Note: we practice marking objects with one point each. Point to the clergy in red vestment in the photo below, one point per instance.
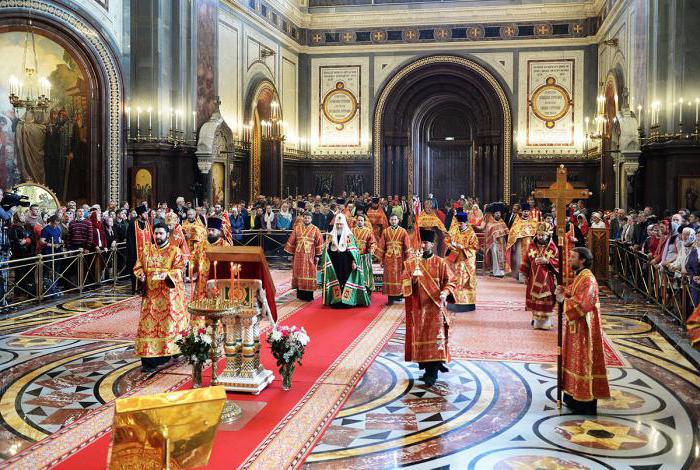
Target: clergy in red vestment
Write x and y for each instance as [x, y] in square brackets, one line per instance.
[426, 287]
[138, 236]
[534, 213]
[463, 244]
[585, 374]
[366, 243]
[163, 313]
[177, 235]
[540, 266]
[200, 264]
[194, 230]
[495, 240]
[377, 218]
[520, 235]
[305, 243]
[392, 250]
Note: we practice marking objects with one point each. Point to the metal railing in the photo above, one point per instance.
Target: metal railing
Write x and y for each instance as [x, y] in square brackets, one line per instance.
[670, 290]
[271, 241]
[37, 278]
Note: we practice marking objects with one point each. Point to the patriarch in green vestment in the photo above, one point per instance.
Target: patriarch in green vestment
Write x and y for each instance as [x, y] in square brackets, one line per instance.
[340, 268]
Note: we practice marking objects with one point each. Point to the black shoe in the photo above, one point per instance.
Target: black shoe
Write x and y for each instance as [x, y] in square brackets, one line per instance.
[443, 368]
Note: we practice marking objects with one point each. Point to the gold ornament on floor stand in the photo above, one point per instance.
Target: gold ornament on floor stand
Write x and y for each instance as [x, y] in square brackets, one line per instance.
[214, 309]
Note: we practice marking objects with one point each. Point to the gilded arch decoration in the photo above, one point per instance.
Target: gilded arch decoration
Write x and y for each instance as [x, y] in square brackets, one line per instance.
[105, 61]
[467, 64]
[262, 87]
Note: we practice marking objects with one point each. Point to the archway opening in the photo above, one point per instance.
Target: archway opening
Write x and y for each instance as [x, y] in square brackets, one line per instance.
[443, 125]
[56, 146]
[265, 152]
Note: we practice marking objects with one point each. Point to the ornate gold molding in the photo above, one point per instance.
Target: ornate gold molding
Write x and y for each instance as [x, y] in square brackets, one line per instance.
[469, 65]
[255, 148]
[105, 60]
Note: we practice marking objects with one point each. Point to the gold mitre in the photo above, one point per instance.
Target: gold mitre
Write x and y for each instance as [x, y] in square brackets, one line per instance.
[543, 228]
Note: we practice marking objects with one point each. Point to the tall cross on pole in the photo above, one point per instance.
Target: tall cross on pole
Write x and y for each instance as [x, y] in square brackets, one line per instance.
[560, 193]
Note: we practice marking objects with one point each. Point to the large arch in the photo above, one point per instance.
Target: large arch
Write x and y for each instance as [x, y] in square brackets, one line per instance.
[79, 32]
[403, 146]
[265, 156]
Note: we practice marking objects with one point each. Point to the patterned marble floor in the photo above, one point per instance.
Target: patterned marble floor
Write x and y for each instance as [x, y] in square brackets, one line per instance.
[481, 415]
[502, 415]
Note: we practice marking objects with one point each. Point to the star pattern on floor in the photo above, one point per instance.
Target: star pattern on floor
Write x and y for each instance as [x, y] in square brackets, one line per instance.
[599, 433]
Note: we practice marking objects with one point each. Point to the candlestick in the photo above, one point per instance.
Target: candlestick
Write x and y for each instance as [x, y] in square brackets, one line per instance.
[128, 120]
[138, 121]
[194, 122]
[215, 262]
[697, 101]
[680, 111]
[150, 116]
[230, 286]
[639, 115]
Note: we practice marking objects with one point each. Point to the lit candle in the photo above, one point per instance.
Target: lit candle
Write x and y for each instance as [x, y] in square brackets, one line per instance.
[215, 262]
[680, 111]
[177, 116]
[150, 111]
[194, 121]
[588, 121]
[171, 120]
[138, 118]
[230, 283]
[190, 267]
[128, 118]
[639, 115]
[697, 101]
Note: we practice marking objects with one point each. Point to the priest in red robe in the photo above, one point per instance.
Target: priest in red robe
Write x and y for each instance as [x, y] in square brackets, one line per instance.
[427, 287]
[392, 250]
[305, 243]
[583, 357]
[163, 313]
[540, 266]
[377, 219]
[199, 262]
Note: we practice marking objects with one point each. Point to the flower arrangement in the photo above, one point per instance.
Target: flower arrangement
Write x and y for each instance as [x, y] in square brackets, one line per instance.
[195, 346]
[288, 344]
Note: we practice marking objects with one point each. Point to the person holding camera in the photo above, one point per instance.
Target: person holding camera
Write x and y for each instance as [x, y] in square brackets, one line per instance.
[6, 212]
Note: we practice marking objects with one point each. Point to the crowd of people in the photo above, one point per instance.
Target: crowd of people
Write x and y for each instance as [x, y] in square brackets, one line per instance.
[668, 239]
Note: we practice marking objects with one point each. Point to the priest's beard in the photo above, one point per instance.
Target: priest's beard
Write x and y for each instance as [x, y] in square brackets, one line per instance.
[162, 243]
[213, 238]
[427, 252]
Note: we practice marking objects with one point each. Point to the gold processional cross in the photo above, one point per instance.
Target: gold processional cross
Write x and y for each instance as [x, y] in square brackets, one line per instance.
[560, 193]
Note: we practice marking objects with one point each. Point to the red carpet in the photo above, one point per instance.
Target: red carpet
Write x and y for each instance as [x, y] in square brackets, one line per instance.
[500, 328]
[343, 344]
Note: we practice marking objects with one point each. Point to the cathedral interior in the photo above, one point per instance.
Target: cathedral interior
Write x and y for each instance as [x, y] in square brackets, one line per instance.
[230, 102]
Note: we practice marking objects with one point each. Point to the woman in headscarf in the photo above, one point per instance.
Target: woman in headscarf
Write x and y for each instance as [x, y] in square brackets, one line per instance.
[476, 217]
[685, 243]
[341, 279]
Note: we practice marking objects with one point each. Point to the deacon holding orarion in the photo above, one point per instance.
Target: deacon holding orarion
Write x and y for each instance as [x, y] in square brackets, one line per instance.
[305, 243]
[340, 268]
[392, 250]
[199, 262]
[426, 288]
[163, 312]
[520, 235]
[366, 243]
[540, 266]
[583, 358]
[463, 244]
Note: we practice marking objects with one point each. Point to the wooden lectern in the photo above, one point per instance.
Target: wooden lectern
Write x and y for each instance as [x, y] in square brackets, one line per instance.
[253, 266]
[243, 371]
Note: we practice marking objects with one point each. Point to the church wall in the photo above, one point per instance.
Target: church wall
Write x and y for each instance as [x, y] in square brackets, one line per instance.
[507, 64]
[243, 61]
